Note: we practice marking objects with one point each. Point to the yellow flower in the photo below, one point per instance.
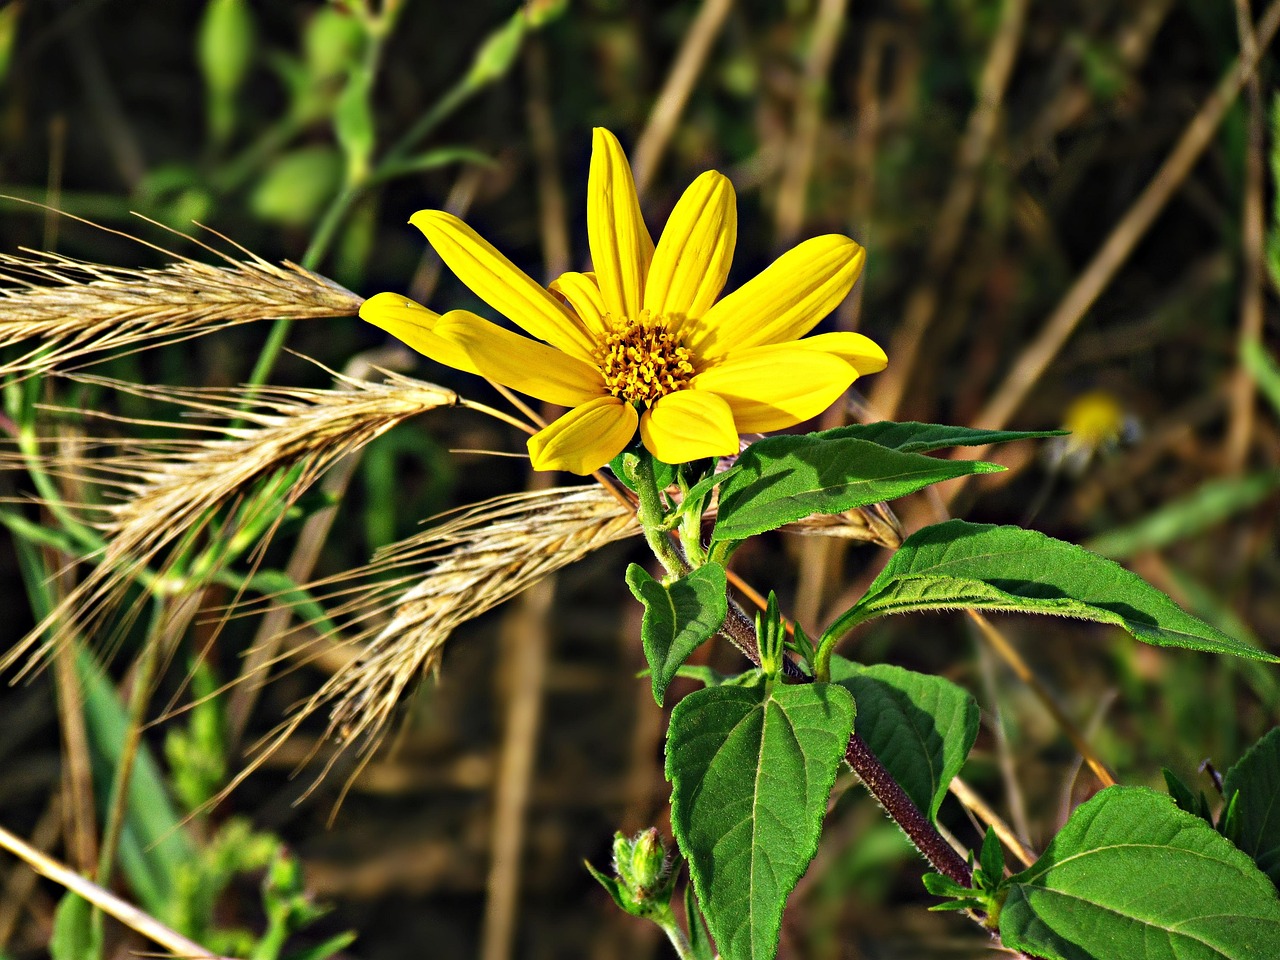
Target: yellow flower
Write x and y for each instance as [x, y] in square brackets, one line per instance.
[644, 341]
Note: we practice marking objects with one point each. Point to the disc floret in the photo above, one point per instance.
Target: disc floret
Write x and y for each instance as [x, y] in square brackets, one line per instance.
[642, 360]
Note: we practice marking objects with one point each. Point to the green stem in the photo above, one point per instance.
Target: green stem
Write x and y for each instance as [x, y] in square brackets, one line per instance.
[652, 516]
[827, 645]
[677, 936]
[118, 804]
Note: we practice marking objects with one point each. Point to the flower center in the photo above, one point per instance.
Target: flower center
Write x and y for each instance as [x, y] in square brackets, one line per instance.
[641, 360]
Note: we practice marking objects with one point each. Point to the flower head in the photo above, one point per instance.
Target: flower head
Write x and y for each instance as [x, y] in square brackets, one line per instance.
[646, 340]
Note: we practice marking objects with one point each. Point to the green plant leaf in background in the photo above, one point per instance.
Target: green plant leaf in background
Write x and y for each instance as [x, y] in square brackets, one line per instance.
[913, 437]
[1261, 365]
[297, 186]
[224, 49]
[1252, 790]
[751, 769]
[960, 564]
[785, 479]
[921, 727]
[75, 936]
[1208, 505]
[678, 617]
[1131, 876]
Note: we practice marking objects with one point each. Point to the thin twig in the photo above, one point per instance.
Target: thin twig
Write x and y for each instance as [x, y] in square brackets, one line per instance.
[104, 900]
[966, 795]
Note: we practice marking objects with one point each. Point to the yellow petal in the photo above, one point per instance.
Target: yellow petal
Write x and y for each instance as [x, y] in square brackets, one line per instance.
[501, 284]
[583, 294]
[585, 438]
[772, 387]
[517, 362]
[861, 353]
[694, 252]
[414, 325]
[620, 244]
[689, 425]
[782, 303]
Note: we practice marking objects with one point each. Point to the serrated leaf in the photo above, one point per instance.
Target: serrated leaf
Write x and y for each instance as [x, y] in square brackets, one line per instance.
[678, 617]
[920, 726]
[785, 479]
[913, 437]
[751, 769]
[1132, 876]
[959, 564]
[1254, 786]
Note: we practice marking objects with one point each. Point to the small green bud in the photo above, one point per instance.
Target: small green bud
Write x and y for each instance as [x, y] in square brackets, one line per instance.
[643, 866]
[498, 52]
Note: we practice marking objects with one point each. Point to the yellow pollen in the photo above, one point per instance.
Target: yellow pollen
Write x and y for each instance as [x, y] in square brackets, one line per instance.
[641, 360]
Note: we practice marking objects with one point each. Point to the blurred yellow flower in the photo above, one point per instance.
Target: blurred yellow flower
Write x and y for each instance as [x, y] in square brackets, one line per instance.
[644, 341]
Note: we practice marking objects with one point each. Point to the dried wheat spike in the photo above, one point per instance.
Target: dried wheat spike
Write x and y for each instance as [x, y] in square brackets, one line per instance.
[481, 557]
[171, 490]
[68, 309]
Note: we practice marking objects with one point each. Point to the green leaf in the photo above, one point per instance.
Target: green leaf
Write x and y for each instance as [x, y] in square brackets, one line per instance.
[1182, 795]
[1254, 785]
[699, 938]
[920, 726]
[623, 467]
[1207, 506]
[912, 437]
[678, 617]
[297, 186]
[785, 479]
[1132, 876]
[959, 564]
[751, 769]
[1261, 365]
[74, 936]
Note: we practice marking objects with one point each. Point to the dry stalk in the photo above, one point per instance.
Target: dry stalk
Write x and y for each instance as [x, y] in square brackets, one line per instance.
[64, 310]
[170, 491]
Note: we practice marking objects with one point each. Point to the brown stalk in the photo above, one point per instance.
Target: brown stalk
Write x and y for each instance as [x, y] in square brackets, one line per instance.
[674, 94]
[890, 386]
[798, 162]
[526, 635]
[979, 807]
[1240, 429]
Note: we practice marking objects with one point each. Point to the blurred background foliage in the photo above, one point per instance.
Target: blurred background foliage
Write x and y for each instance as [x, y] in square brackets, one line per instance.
[986, 152]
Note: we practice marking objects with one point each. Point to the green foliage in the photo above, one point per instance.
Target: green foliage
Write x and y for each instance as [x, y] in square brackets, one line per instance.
[751, 769]
[1265, 371]
[1192, 801]
[678, 617]
[75, 935]
[297, 186]
[912, 437]
[643, 879]
[785, 479]
[986, 895]
[1102, 889]
[959, 564]
[921, 727]
[224, 49]
[1180, 519]
[1252, 817]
